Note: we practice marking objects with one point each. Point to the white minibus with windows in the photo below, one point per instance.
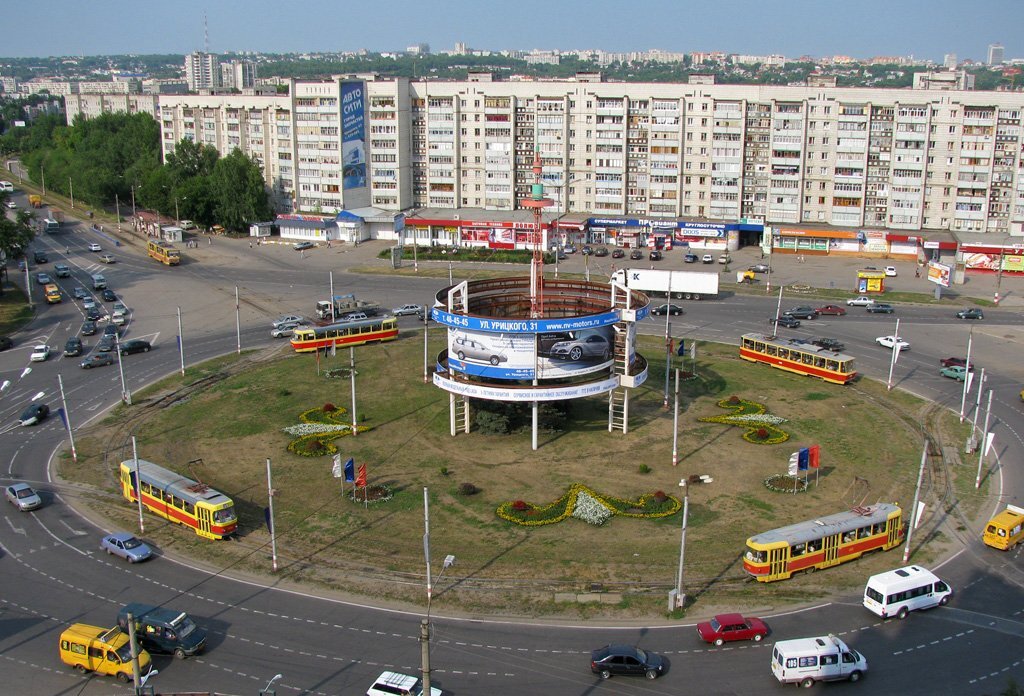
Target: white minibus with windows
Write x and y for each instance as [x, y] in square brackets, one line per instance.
[901, 591]
[825, 658]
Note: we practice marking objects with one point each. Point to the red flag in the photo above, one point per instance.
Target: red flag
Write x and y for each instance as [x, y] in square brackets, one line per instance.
[813, 454]
[361, 477]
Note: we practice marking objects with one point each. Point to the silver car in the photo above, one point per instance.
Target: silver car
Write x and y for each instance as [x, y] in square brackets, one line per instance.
[582, 348]
[470, 349]
[21, 496]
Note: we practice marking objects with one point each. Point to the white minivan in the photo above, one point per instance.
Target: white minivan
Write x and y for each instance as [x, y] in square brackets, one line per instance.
[901, 591]
[804, 661]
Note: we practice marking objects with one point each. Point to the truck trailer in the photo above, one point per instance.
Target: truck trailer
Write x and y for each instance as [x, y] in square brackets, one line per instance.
[685, 285]
[344, 305]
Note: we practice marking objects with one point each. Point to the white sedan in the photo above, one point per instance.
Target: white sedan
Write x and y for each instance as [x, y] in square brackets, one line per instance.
[40, 353]
[95, 247]
[892, 341]
[890, 271]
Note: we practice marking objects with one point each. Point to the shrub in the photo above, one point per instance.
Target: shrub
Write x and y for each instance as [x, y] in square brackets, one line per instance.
[519, 505]
[733, 400]
[762, 434]
[660, 497]
[644, 469]
[329, 408]
[444, 471]
[468, 489]
[314, 446]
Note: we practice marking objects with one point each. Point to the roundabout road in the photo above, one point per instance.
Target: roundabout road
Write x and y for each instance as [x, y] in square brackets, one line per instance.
[53, 573]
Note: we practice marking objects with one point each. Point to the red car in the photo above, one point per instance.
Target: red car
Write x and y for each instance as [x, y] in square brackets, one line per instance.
[726, 627]
[831, 309]
[956, 362]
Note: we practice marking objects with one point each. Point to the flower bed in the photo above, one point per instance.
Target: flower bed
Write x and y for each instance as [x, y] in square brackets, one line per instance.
[377, 493]
[585, 504]
[784, 483]
[319, 428]
[760, 427]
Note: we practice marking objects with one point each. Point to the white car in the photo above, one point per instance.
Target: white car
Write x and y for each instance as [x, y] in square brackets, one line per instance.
[186, 225]
[40, 353]
[287, 319]
[11, 204]
[407, 309]
[389, 683]
[285, 330]
[118, 318]
[891, 341]
[95, 247]
[862, 301]
[108, 258]
[707, 258]
[890, 271]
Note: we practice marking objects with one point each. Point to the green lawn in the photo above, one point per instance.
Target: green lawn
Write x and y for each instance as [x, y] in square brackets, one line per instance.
[232, 422]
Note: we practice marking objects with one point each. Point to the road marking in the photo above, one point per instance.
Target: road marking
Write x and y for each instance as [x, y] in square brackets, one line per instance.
[16, 530]
[76, 532]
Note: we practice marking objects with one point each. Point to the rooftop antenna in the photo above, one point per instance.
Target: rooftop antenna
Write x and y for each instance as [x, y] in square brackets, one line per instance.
[206, 35]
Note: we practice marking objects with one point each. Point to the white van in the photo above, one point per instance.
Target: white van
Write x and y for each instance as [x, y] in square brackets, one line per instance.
[806, 660]
[6, 186]
[901, 591]
[98, 281]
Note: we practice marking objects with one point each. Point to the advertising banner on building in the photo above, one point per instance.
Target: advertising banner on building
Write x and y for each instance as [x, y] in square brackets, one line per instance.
[501, 238]
[353, 136]
[497, 355]
[875, 242]
[990, 259]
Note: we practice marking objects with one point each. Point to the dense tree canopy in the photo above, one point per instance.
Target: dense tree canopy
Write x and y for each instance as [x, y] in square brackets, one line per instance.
[114, 157]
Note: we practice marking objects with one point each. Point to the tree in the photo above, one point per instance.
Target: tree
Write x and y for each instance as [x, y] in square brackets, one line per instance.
[237, 186]
[191, 159]
[15, 234]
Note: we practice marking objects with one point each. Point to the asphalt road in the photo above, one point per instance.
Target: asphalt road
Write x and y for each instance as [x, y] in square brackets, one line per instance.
[53, 573]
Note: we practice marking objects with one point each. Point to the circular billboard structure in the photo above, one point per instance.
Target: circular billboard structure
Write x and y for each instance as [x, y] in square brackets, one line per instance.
[581, 344]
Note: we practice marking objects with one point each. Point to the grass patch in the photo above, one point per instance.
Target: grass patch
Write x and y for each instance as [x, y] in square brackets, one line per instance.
[224, 418]
[14, 309]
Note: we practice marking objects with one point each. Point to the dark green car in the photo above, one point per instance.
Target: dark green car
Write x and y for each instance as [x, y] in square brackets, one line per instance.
[973, 313]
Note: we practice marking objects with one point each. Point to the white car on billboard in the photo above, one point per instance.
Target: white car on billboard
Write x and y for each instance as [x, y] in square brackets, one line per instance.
[466, 348]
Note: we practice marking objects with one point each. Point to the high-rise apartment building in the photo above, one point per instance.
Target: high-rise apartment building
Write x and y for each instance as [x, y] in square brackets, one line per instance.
[995, 54]
[202, 71]
[902, 159]
[237, 74]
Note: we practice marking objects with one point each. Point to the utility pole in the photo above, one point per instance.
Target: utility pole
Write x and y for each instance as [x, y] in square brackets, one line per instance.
[138, 486]
[680, 596]
[352, 380]
[71, 188]
[675, 425]
[67, 419]
[913, 509]
[986, 438]
[270, 518]
[181, 344]
[967, 372]
[238, 325]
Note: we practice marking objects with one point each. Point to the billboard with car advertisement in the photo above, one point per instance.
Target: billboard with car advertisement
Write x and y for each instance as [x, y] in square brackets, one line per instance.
[523, 349]
[524, 356]
[938, 273]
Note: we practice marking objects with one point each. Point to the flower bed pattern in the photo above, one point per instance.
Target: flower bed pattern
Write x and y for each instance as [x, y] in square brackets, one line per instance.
[784, 483]
[760, 427]
[585, 504]
[319, 428]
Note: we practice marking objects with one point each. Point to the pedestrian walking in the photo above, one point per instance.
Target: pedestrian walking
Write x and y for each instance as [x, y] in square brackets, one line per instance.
[209, 241]
[250, 244]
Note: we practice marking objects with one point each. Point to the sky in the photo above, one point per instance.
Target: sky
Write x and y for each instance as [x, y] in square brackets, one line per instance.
[925, 29]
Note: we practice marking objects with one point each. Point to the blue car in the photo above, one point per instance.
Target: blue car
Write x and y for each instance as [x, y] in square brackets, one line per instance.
[126, 546]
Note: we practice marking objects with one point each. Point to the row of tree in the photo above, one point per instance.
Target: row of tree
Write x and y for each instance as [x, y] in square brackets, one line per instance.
[115, 160]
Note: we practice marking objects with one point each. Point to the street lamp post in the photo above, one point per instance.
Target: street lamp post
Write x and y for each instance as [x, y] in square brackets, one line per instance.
[117, 211]
[126, 396]
[680, 596]
[71, 188]
[177, 218]
[42, 177]
[449, 561]
[266, 689]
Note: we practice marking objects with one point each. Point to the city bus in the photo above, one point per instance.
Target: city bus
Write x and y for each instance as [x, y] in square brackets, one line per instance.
[1005, 530]
[306, 339]
[824, 542]
[797, 356]
[52, 293]
[164, 252]
[179, 499]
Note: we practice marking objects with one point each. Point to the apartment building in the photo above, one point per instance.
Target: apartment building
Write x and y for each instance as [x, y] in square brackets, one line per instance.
[92, 104]
[202, 71]
[884, 158]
